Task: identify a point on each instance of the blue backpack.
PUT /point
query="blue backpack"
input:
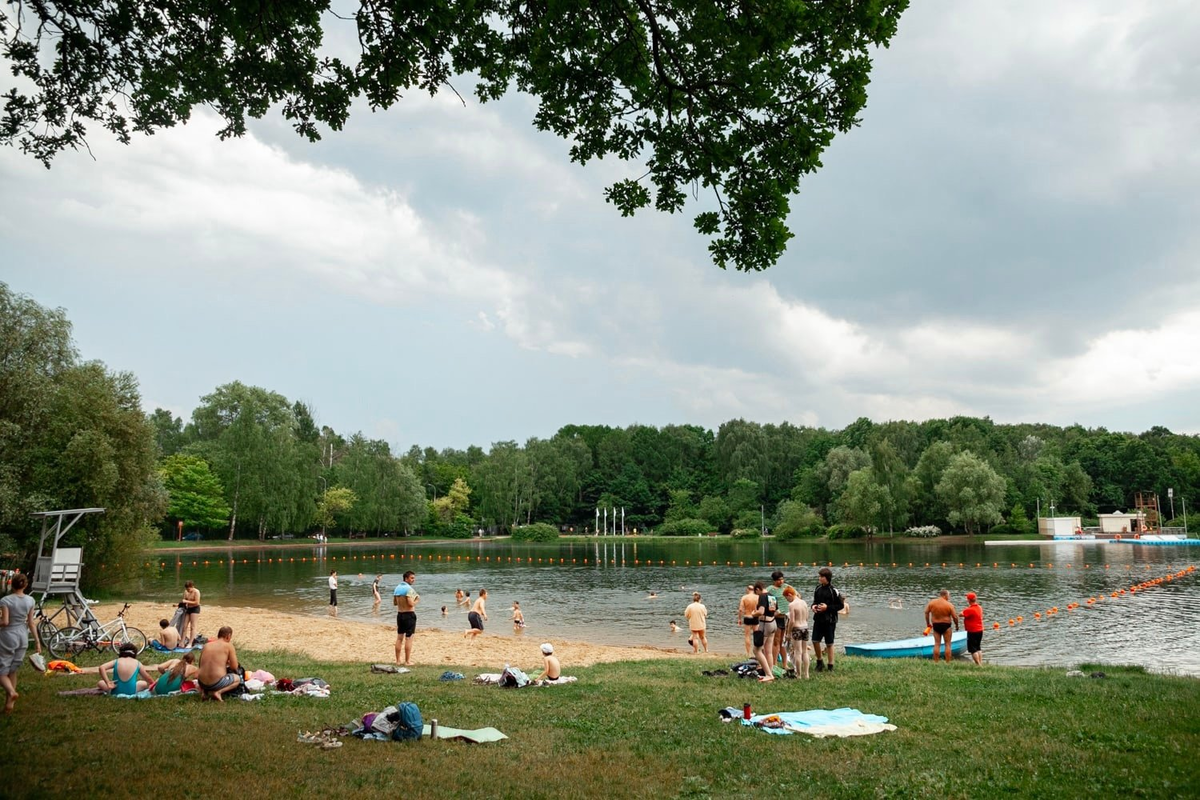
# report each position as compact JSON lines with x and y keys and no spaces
{"x":410,"y":725}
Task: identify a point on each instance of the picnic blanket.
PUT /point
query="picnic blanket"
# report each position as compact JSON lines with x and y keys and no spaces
{"x":820,"y":722}
{"x":494,"y":679}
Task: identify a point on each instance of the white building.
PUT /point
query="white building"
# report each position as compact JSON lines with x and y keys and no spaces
{"x":1120,"y":522}
{"x":1059,"y":526}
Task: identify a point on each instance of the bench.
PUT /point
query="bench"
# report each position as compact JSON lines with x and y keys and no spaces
{"x":356,"y":535}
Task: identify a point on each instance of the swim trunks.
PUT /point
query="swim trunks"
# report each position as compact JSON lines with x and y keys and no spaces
{"x":941,"y":627}
{"x":799,"y":634}
{"x":406,"y":623}
{"x":193,"y":609}
{"x":749,"y":621}
{"x":228,"y":679}
{"x":475,"y":620}
{"x":974,"y":641}
{"x":333,"y":597}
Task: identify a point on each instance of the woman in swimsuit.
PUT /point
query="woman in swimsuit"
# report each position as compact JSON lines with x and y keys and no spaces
{"x":129,"y":676}
{"x":176,"y":671}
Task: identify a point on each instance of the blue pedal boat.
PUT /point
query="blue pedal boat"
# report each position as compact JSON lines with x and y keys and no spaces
{"x":917,"y":647}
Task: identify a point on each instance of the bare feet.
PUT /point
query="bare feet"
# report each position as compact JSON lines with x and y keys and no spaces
{"x":11,"y":703}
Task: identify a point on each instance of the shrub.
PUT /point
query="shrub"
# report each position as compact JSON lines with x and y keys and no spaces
{"x":537,"y":532}
{"x":923,"y":532}
{"x":844,"y":531}
{"x":796,"y":520}
{"x":689,"y":526}
{"x":746,"y":533}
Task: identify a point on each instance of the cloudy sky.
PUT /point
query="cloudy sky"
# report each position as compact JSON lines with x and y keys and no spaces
{"x":1013,"y":231}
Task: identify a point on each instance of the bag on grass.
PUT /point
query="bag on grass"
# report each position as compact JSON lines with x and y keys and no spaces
{"x":410,"y":725}
{"x":385,"y":721}
{"x":513,"y":678}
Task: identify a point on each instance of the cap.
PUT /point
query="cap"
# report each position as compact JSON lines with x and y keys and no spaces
{"x":970,"y":595}
{"x":547,"y":649}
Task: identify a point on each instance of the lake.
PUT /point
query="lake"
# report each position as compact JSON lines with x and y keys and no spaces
{"x":598,"y":591}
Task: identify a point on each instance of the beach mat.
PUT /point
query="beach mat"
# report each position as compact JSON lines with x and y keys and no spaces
{"x":478,"y":736}
{"x":821,"y":722}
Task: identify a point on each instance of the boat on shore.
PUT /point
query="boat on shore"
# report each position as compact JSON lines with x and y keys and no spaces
{"x":916,"y":647}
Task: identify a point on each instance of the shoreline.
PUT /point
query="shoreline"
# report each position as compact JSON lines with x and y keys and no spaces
{"x":324,"y":638}
{"x":389,"y":542}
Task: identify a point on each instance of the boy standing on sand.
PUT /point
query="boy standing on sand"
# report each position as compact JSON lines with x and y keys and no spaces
{"x":405,"y":599}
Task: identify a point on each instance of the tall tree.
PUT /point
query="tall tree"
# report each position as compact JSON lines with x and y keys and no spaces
{"x":196,"y":497}
{"x":972,"y":492}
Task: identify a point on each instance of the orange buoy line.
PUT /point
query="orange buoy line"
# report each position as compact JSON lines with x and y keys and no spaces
{"x":1092,"y":602}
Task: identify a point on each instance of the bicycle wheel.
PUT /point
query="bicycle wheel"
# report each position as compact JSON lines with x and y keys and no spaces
{"x":130,"y":635}
{"x":46,"y":631}
{"x":67,"y":643}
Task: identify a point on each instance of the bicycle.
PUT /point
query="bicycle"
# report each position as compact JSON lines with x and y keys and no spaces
{"x":46,"y":625}
{"x":71,"y":641}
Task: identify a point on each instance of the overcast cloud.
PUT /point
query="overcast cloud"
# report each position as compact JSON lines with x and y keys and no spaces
{"x":1011,"y":232}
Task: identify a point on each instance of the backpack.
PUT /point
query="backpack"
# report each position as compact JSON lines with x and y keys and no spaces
{"x":410,"y":725}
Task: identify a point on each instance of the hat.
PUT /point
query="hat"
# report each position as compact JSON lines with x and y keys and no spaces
{"x":970,"y":595}
{"x":547,"y":649}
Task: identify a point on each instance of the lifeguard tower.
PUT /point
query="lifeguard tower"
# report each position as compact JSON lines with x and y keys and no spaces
{"x":58,"y":569}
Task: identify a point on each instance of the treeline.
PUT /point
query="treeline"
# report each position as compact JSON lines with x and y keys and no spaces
{"x":249,"y":463}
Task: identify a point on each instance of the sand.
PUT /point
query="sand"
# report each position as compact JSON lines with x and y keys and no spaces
{"x":326,"y":639}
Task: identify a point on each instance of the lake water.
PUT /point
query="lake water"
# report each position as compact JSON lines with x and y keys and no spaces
{"x":605,"y":600}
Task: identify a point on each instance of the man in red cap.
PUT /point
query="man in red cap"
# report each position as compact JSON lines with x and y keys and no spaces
{"x":972,"y":617}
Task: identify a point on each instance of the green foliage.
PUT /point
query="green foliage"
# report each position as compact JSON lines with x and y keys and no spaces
{"x":750,"y":518}
{"x":746,"y":533}
{"x":797,"y":521}
{"x":195,"y":495}
{"x":681,"y":506}
{"x":843,"y":530}
{"x":335,"y":502}
{"x":685,"y":527}
{"x":1018,"y":521}
{"x":740,"y":102}
{"x":864,"y":503}
{"x":537,"y":532}
{"x":72,"y":435}
{"x":972,"y":491}
{"x":715,"y":511}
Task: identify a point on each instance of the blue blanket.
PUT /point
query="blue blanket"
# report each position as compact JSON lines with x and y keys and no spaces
{"x":159,"y":647}
{"x":817,"y":716}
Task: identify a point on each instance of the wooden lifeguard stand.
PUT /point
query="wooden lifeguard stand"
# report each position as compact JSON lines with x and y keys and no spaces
{"x":1146,"y":504}
{"x":58,"y":569}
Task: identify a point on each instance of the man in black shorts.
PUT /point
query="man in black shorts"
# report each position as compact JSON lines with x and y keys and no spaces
{"x":405,"y":600}
{"x":827,"y":602}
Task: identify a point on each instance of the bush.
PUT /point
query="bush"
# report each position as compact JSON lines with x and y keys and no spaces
{"x":844,"y":531}
{"x":797,"y":521}
{"x":689,"y":526}
{"x":537,"y":532}
{"x":746,"y":533}
{"x":924,"y":532}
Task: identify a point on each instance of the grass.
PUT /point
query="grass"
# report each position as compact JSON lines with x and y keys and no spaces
{"x":629,"y":730}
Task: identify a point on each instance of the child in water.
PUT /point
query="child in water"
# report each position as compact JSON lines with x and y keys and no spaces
{"x":517,"y":616}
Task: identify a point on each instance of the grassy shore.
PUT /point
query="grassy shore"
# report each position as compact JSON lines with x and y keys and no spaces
{"x":646,"y":729}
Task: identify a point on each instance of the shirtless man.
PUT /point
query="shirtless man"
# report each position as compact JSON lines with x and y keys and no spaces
{"x":477,"y":615}
{"x":191,"y":609}
{"x":168,"y":637}
{"x":746,"y":617}
{"x":939,"y":615}
{"x":552,"y":669}
{"x":218,"y":666}
{"x":405,"y":599}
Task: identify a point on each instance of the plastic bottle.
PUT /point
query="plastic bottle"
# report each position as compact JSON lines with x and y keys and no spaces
{"x":746,"y":713}
{"x":433,"y":729}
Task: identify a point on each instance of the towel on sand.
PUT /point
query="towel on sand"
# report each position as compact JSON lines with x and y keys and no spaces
{"x":820,"y":722}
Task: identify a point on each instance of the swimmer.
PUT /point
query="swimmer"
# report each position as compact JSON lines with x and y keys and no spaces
{"x":895,"y":603}
{"x":674,"y":627}
{"x":652,"y":596}
{"x":445,"y":613}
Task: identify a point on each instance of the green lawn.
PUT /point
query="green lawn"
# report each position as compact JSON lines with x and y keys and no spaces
{"x":628,"y":730}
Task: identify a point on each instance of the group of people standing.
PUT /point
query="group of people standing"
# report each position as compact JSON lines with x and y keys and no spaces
{"x":775,"y":620}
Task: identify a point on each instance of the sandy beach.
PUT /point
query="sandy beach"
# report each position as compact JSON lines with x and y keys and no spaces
{"x":327,"y":639}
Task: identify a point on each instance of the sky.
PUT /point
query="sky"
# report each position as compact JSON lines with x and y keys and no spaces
{"x":1011,"y":232}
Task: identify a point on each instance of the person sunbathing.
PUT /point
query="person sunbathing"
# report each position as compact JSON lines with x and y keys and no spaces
{"x":129,"y":676}
{"x":552,"y":670}
{"x":174,"y":672}
{"x":218,"y":666}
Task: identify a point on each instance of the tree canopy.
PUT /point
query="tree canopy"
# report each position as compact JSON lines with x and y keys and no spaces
{"x":730,"y":100}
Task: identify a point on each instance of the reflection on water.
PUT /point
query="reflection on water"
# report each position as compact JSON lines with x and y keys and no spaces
{"x":606,"y":600}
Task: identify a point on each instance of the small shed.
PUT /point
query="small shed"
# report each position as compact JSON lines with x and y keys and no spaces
{"x":1059,"y":526}
{"x":1120,"y":522}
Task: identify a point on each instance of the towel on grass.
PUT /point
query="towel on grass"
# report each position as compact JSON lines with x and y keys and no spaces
{"x":159,"y":647}
{"x":820,"y":722}
{"x":477,"y":736}
{"x":389,"y":668}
